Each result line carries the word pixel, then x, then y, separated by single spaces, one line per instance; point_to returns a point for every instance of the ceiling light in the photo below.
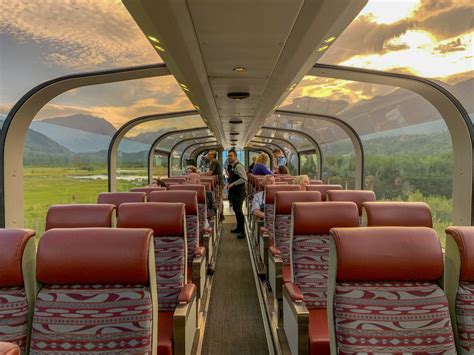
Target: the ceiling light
pixel 330 39
pixel 238 95
pixel 197 107
pixel 234 133
pixel 234 140
pixel 291 87
pixel 236 114
pixel 239 69
pixel 153 39
pixel 160 48
pixel 323 48
pixel 184 86
pixel 235 121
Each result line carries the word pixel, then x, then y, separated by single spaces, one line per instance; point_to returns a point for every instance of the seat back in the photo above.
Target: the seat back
pixel 97 290
pixel 309 246
pixel 202 206
pixel 174 180
pixel 17 285
pixel 269 193
pixel 459 284
pixel 283 203
pixel 167 220
pixel 383 288
pixel 147 190
pixel 356 196
pixel 80 216
pixel 397 214
pixel 117 198
pixel 315 182
pixel 189 198
pixel 323 189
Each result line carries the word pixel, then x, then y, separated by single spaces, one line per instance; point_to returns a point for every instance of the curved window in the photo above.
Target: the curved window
pixel 407 146
pixel 422 38
pixel 65 154
pixel 45 42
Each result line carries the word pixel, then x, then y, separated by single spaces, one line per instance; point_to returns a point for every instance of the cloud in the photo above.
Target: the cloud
pixel 78 35
pixel 452 46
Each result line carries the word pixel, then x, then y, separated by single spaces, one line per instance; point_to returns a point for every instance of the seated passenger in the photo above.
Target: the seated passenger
pixel 254 159
pixel 283 170
pixel 258 201
pixel 157 183
pixel 190 169
pixel 195 179
pixel 303 181
pixel 260 167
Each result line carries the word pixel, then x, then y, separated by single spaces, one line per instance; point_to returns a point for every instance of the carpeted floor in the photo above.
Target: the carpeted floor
pixel 234 324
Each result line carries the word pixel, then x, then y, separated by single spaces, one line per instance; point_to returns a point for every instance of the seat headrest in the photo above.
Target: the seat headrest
pixel 189 198
pixel 403 214
pixel 464 238
pixel 356 196
pixel 285 199
pixel 12 246
pixel 93 256
pixel 200 189
pixel 147 190
pixel 117 198
pixel 79 216
pixel 208 179
pixel 176 180
pixel 319 217
pixel 271 190
pixel 164 218
pixel 207 185
pixel 387 254
pixel 315 182
pixel 323 189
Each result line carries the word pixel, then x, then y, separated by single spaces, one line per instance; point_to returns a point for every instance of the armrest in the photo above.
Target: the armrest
pixel 9 349
pixel 294 292
pixel 275 251
pixel 199 251
pixel 264 230
pixel 207 230
pixel 187 293
pixel 295 320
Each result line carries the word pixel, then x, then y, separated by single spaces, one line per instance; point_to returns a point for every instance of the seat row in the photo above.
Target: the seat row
pixel 126 289
pixel 344 288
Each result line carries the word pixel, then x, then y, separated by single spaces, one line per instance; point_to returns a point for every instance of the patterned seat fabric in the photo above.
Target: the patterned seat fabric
pixel 282 235
pixel 111 319
pixel 392 318
pixel 13 316
pixel 465 316
pixel 170 270
pixel 202 211
pixel 192 235
pixel 310 268
pixel 269 218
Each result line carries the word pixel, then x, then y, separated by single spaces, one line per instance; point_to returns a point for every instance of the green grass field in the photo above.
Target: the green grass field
pixel 48 186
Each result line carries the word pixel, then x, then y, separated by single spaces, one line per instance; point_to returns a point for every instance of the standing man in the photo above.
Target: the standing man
pixel 279 158
pixel 236 188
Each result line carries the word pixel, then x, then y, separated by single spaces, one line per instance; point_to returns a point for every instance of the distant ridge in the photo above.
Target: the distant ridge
pixel 85 123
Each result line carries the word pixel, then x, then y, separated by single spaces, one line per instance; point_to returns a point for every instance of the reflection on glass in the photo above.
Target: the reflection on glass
pixel 309 165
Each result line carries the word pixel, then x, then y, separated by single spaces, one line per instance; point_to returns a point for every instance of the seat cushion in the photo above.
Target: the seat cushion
pixel 465 316
pixel 13 316
pixel 392 317
pixel 75 319
pixel 165 333
pixel 318 332
pixel 286 273
pixel 282 235
pixel 170 270
pixel 310 268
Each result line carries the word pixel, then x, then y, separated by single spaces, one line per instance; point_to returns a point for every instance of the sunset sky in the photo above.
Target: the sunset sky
pixel 41 40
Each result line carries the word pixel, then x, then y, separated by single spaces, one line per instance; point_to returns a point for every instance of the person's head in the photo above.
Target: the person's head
pixel 268 180
pixel 283 170
pixel 191 169
pixel 232 156
pixel 193 178
pixel 262 159
pixel 302 180
pixel 277 153
pixel 212 155
pixel 254 158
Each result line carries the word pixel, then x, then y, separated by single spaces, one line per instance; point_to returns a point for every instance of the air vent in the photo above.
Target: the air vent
pixel 238 95
pixel 236 122
pixel 234 133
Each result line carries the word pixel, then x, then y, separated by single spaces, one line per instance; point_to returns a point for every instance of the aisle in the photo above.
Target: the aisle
pixel 234 323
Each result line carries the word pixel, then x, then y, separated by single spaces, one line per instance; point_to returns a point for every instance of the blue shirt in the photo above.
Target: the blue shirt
pixel 281 161
pixel 260 169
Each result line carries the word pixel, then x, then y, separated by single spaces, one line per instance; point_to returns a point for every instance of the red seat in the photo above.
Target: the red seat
pixel 286 273
pixel 356 196
pixel 80 216
pixel 318 331
pixel 147 190
pixel 323 189
pixel 398 214
pixel 117 198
